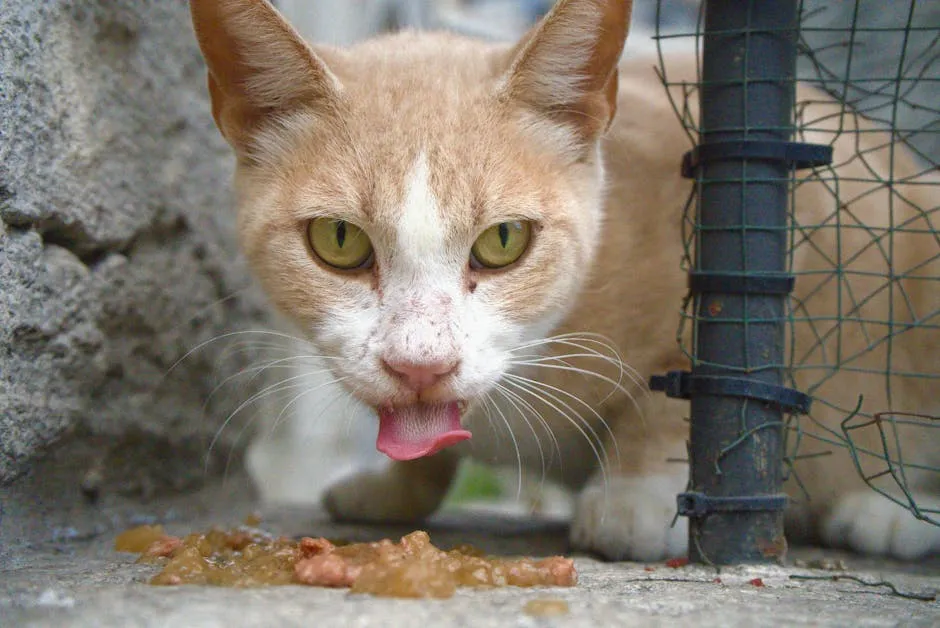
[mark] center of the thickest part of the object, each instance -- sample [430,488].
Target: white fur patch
[872,524]
[631,518]
[420,228]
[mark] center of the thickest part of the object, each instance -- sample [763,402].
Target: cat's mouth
[420,429]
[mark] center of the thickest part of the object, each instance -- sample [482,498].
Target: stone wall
[117,251]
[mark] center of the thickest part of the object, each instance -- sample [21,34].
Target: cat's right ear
[259,66]
[566,66]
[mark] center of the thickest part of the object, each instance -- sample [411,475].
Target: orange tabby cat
[466,229]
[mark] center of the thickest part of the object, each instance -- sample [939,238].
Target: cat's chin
[420,429]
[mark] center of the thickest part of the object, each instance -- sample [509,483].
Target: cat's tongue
[418,430]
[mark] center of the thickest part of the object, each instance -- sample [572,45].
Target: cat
[468,230]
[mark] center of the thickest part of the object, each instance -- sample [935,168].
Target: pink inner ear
[419,430]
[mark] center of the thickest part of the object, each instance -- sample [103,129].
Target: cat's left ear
[259,67]
[566,66]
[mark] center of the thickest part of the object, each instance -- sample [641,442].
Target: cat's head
[421,204]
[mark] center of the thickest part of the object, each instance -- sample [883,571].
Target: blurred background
[342,22]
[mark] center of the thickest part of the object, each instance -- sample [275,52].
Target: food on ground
[413,567]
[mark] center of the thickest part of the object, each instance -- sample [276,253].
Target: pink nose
[421,376]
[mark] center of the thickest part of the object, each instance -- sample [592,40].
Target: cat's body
[426,141]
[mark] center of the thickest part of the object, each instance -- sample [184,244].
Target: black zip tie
[695,504]
[740,283]
[798,155]
[683,384]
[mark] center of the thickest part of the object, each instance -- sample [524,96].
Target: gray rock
[117,253]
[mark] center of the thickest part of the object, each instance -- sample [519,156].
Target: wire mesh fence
[862,317]
[886,270]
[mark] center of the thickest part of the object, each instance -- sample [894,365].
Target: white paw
[870,523]
[631,520]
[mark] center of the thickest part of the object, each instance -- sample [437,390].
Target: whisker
[540,395]
[538,441]
[486,401]
[297,398]
[599,339]
[254,417]
[244,346]
[228,458]
[241,432]
[542,387]
[232,334]
[543,422]
[514,399]
[616,385]
[625,369]
[256,371]
[347,415]
[574,340]
[515,444]
[272,429]
[273,388]
[267,350]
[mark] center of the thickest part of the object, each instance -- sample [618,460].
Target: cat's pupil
[341,233]
[503,233]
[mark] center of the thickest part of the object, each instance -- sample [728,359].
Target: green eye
[339,243]
[501,245]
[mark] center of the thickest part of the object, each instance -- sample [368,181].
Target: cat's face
[423,208]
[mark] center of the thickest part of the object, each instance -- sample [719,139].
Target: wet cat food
[413,567]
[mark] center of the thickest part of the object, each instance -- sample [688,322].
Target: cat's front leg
[628,511]
[631,518]
[404,492]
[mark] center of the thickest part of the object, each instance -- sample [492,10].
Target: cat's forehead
[402,60]
[466,181]
[420,126]
[419,222]
[430,190]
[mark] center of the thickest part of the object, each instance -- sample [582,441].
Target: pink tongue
[419,430]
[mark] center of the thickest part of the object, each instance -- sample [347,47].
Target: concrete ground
[76,579]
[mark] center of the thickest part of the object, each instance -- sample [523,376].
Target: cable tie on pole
[696,504]
[740,283]
[798,155]
[683,384]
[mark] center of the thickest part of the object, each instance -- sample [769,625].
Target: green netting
[863,326]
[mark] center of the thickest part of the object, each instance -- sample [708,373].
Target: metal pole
[749,67]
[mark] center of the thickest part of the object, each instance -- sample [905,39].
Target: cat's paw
[870,523]
[403,492]
[376,497]
[630,520]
